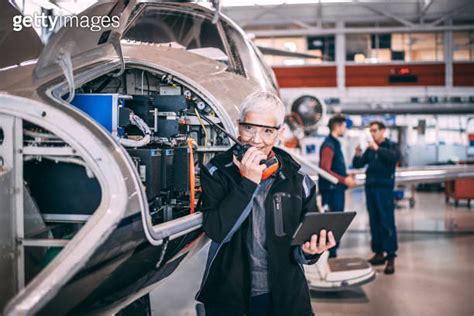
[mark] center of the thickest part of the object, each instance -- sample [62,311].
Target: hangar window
[323,46]
[392,47]
[357,46]
[463,46]
[422,46]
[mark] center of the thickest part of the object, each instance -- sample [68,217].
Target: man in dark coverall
[381,157]
[250,215]
[331,159]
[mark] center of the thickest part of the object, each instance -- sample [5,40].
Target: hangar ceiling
[407,12]
[273,18]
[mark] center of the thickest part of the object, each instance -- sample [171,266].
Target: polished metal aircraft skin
[118,255]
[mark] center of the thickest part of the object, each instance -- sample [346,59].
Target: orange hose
[192,180]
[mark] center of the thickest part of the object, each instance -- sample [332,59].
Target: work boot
[390,266]
[377,260]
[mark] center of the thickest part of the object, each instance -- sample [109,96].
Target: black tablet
[313,222]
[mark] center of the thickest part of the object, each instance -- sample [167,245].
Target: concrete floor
[434,269]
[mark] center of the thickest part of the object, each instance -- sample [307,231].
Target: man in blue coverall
[332,161]
[381,157]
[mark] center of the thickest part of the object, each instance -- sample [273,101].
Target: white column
[448,57]
[340,57]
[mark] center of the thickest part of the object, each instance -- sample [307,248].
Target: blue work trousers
[382,220]
[334,199]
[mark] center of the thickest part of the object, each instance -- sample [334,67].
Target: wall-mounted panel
[463,74]
[309,76]
[395,75]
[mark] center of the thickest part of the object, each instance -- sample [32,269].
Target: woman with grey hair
[263,102]
[250,213]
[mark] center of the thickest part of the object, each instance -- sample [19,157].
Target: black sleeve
[223,202]
[391,154]
[360,161]
[309,205]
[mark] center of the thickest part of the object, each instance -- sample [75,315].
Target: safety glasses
[249,130]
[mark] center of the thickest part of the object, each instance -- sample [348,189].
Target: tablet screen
[313,223]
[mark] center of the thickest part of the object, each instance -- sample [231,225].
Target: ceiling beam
[452,13]
[319,17]
[359,30]
[426,6]
[285,17]
[264,11]
[386,14]
[423,6]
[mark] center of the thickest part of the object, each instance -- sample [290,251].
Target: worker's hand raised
[358,150]
[350,181]
[373,145]
[319,245]
[250,166]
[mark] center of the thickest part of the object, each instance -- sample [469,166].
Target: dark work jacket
[381,164]
[338,164]
[227,203]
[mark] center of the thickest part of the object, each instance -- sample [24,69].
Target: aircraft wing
[403,175]
[425,174]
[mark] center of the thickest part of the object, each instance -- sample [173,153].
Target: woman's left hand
[313,247]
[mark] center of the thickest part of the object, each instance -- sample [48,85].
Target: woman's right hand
[250,166]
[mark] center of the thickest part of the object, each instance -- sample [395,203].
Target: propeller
[310,110]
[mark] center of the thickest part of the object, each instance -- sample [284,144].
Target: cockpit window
[192,31]
[265,68]
[247,58]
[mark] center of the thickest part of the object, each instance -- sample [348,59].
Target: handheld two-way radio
[240,149]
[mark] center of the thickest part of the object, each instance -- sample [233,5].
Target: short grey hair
[264,103]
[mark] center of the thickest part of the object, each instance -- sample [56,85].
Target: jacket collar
[385,141]
[334,140]
[288,165]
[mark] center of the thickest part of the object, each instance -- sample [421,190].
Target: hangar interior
[408,63]
[165,102]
